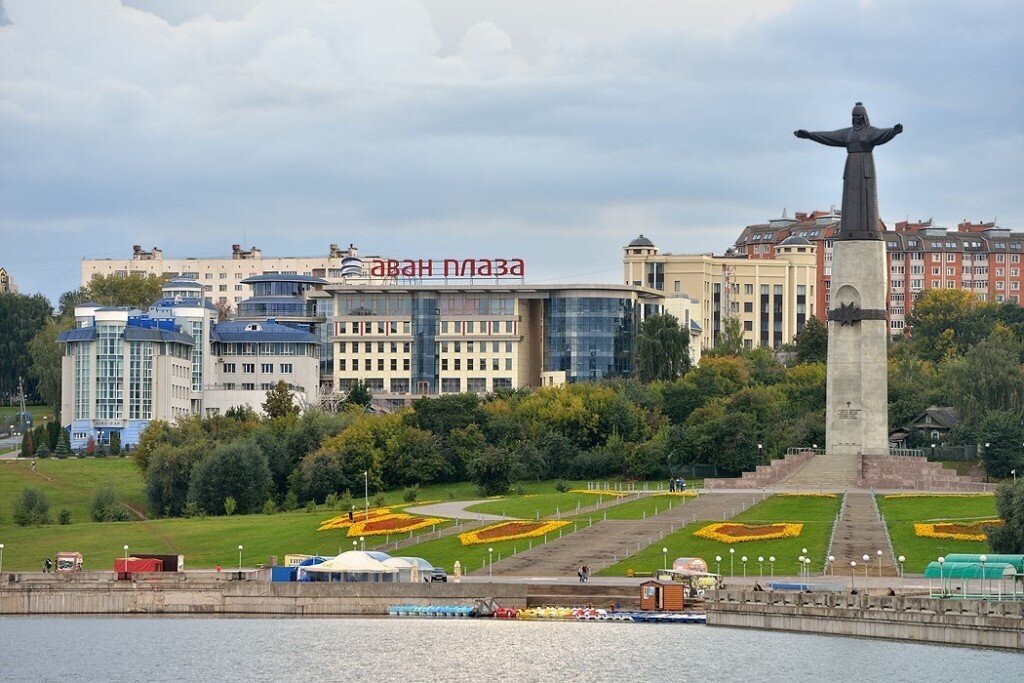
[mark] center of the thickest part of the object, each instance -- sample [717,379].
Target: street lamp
[355,545]
[1,557]
[867,559]
[126,557]
[362,543]
[239,560]
[901,559]
[983,559]
[942,581]
[760,567]
[800,566]
[760,454]
[718,564]
[853,575]
[807,571]
[732,552]
[490,560]
[366,491]
[664,558]
[771,568]
[744,561]
[832,565]
[879,553]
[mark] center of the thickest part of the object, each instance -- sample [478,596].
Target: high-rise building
[771,298]
[982,258]
[7,285]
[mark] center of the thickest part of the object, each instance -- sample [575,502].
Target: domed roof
[795,240]
[641,241]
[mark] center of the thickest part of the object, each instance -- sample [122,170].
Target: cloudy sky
[552,130]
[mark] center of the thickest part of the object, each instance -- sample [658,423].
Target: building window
[367,364]
[266,368]
[458,364]
[508,363]
[394,364]
[342,364]
[502,383]
[451,385]
[286,368]
[469,364]
[248,386]
[249,368]
[229,368]
[444,364]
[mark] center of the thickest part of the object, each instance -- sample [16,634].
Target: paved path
[860,532]
[605,543]
[455,509]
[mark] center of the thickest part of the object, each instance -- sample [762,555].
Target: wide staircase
[764,475]
[834,472]
[861,532]
[914,473]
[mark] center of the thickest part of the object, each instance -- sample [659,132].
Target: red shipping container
[131,565]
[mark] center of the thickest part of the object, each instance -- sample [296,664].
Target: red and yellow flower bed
[342,521]
[731,532]
[397,523]
[937,495]
[957,531]
[509,531]
[809,495]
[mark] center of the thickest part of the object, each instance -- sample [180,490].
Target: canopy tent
[1016,560]
[968,570]
[981,580]
[352,565]
[405,565]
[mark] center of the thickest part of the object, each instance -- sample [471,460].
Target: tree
[21,317]
[1009,538]
[442,414]
[115,443]
[167,478]
[90,446]
[988,378]
[946,322]
[28,447]
[135,290]
[43,451]
[359,394]
[237,469]
[45,354]
[663,349]
[106,507]
[730,339]
[412,456]
[1004,434]
[492,470]
[279,401]
[63,449]
[812,342]
[224,311]
[31,508]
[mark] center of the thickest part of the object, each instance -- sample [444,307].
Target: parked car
[438,575]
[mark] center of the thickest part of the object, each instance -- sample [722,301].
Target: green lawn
[816,514]
[901,514]
[541,501]
[70,483]
[635,509]
[37,412]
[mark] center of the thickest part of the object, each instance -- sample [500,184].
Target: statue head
[860,116]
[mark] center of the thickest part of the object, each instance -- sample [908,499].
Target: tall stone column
[856,412]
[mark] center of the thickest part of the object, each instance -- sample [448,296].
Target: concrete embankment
[954,622]
[100,593]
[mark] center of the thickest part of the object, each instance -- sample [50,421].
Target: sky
[549,130]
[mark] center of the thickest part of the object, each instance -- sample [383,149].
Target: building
[770,297]
[934,423]
[224,278]
[982,258]
[7,285]
[122,368]
[440,338]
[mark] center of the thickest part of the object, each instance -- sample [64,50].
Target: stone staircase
[861,532]
[837,472]
[913,473]
[764,475]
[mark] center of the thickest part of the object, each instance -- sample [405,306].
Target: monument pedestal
[857,396]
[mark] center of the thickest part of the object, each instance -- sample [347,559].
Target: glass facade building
[589,337]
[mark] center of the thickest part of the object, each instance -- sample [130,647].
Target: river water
[379,649]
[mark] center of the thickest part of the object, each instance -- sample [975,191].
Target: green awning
[1016,560]
[969,570]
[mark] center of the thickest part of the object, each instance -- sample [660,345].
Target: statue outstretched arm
[884,135]
[835,138]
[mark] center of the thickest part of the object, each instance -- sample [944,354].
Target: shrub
[517,490]
[106,507]
[63,449]
[43,451]
[561,486]
[291,501]
[311,506]
[193,509]
[229,506]
[450,494]
[32,507]
[379,500]
[269,508]
[64,518]
[410,494]
[101,451]
[115,443]
[331,501]
[346,502]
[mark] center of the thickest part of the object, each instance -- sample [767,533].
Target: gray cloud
[554,131]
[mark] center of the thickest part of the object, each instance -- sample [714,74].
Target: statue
[860,194]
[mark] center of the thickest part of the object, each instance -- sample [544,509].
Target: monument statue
[860,195]
[856,385]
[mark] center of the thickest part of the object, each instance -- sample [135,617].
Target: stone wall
[954,622]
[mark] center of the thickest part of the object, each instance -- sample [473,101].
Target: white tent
[353,565]
[406,565]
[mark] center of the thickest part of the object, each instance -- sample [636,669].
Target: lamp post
[366,492]
[126,557]
[987,444]
[355,545]
[933,452]
[1,557]
[1014,473]
[760,454]
[832,565]
[239,560]
[771,568]
[362,543]
[744,561]
[800,566]
[901,559]
[490,560]
[760,567]
[942,581]
[867,559]
[732,552]
[879,553]
[807,571]
[664,558]
[718,564]
[853,575]
[983,559]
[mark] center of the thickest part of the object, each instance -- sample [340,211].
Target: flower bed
[808,495]
[600,492]
[397,523]
[957,531]
[936,495]
[508,531]
[731,532]
[342,521]
[678,494]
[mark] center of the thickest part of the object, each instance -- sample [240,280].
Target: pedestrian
[218,569]
[586,573]
[33,465]
[579,572]
[351,515]
[891,593]
[671,485]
